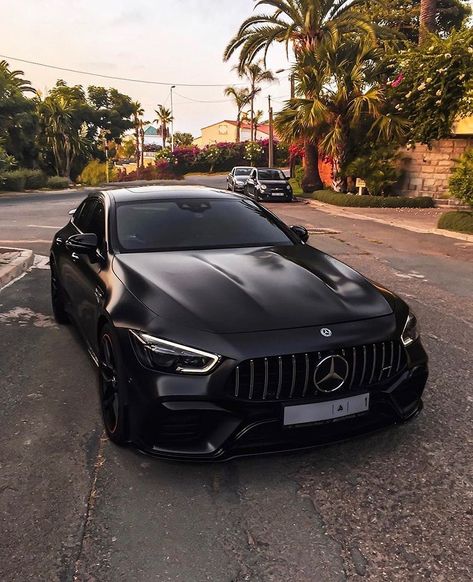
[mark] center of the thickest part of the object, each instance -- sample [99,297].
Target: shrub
[35,179]
[353,200]
[377,168]
[457,221]
[14,180]
[461,180]
[95,173]
[57,183]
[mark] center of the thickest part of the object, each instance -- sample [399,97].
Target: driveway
[392,506]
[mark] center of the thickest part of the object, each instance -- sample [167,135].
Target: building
[226,131]
[151,136]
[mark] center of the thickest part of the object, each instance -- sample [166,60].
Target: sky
[170,41]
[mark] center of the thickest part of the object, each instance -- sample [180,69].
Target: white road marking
[25,240]
[44,226]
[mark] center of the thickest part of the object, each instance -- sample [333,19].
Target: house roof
[262,127]
[151,130]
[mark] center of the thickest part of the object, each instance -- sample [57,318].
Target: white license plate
[277,193]
[318,411]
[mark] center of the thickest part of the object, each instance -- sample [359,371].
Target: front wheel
[112,386]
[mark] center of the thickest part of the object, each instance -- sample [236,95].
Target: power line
[144,81]
[203,100]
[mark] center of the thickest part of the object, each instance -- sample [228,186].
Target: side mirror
[301,232]
[82,244]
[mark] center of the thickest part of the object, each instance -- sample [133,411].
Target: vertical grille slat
[252,379]
[237,381]
[373,366]
[293,379]
[266,379]
[306,378]
[288,377]
[383,352]
[278,392]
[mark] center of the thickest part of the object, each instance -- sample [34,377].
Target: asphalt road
[397,505]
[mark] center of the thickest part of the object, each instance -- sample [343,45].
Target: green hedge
[19,180]
[366,201]
[457,221]
[57,183]
[35,179]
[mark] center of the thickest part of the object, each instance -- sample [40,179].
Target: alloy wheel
[109,387]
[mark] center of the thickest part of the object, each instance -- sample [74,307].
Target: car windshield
[242,171]
[271,175]
[196,223]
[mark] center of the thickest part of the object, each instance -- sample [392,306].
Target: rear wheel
[112,385]
[57,297]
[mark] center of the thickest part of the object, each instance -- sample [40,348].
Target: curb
[438,231]
[15,267]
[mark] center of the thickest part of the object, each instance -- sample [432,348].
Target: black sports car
[268,184]
[218,331]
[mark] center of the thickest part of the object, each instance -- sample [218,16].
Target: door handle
[75,257]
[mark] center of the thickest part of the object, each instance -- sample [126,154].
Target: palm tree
[256,74]
[65,140]
[241,98]
[163,117]
[304,26]
[340,97]
[137,112]
[427,20]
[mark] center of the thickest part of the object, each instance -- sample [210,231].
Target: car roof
[167,192]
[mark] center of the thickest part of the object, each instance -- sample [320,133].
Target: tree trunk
[137,147]
[311,180]
[164,128]
[252,115]
[238,135]
[427,20]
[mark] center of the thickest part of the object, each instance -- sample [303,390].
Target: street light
[172,120]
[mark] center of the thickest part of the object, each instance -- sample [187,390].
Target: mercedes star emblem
[331,373]
[326,332]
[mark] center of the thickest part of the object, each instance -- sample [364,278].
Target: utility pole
[172,121]
[271,135]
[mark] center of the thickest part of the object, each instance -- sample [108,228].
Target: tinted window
[83,215]
[97,223]
[195,224]
[242,171]
[271,175]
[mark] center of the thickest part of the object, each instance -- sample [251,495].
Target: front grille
[290,377]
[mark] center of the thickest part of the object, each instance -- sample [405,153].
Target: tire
[112,388]
[57,298]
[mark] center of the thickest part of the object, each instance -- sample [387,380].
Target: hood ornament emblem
[326,332]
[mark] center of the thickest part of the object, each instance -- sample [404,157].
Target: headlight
[166,356]
[263,187]
[411,330]
[288,186]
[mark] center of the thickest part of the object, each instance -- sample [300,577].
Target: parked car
[268,184]
[237,178]
[218,331]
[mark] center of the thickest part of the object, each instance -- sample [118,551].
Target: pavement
[394,506]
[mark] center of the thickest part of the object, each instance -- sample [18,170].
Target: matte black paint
[240,304]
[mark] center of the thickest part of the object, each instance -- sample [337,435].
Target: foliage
[57,183]
[461,180]
[34,179]
[162,170]
[339,199]
[378,169]
[13,181]
[95,173]
[457,221]
[253,152]
[433,85]
[402,16]
[241,97]
[163,118]
[7,162]
[182,138]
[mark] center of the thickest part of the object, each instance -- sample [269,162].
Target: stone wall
[426,171]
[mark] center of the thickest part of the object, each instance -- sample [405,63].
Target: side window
[97,223]
[83,214]
[253,174]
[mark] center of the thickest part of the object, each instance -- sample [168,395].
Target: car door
[80,273]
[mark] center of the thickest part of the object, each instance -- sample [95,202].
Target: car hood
[252,289]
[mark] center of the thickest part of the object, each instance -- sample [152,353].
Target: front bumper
[193,418]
